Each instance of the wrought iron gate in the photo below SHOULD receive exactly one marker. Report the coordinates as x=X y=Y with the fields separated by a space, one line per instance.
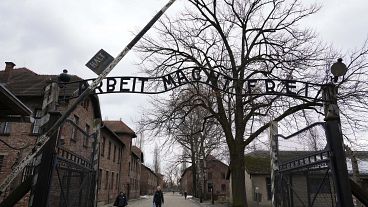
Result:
x=73 y=181
x=306 y=181
x=309 y=178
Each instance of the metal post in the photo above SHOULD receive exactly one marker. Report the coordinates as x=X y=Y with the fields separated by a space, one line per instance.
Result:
x=95 y=158
x=274 y=161
x=336 y=146
x=43 y=172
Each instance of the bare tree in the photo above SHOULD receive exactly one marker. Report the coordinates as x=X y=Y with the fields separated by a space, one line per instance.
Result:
x=245 y=40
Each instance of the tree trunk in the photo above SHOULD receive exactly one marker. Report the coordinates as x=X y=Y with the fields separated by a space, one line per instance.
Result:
x=194 y=174
x=237 y=167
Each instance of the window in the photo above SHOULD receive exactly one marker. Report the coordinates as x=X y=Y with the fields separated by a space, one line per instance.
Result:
x=107 y=180
x=75 y=130
x=223 y=187
x=117 y=181
x=210 y=176
x=103 y=146
x=85 y=104
x=119 y=154
x=268 y=187
x=36 y=127
x=4 y=127
x=85 y=139
x=99 y=178
x=112 y=181
x=223 y=175
x=114 y=153
x=109 y=152
x=1 y=162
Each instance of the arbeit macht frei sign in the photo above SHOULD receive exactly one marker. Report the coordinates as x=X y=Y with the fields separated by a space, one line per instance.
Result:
x=221 y=82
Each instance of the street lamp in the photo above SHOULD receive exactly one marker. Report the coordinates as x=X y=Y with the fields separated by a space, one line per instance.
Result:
x=338 y=69
x=335 y=139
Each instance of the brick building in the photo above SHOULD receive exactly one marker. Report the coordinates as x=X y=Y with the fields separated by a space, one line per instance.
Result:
x=135 y=172
x=148 y=181
x=41 y=93
x=11 y=110
x=125 y=135
x=215 y=176
x=186 y=181
x=110 y=165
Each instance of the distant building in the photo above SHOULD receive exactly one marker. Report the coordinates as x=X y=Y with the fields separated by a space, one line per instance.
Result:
x=126 y=135
x=148 y=181
x=215 y=178
x=135 y=172
x=110 y=166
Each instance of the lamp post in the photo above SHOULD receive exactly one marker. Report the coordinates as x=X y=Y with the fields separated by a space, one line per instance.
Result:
x=335 y=138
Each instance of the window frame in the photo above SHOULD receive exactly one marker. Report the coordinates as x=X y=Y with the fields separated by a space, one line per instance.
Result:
x=2 y=163
x=99 y=178
x=109 y=151
x=102 y=153
x=75 y=133
x=87 y=129
x=107 y=180
x=5 y=128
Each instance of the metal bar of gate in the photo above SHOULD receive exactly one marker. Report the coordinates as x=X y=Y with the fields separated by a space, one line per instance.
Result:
x=46 y=136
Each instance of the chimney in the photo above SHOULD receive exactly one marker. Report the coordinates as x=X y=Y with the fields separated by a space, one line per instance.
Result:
x=9 y=66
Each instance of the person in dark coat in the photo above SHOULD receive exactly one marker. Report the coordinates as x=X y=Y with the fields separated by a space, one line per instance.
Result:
x=185 y=195
x=158 y=197
x=121 y=200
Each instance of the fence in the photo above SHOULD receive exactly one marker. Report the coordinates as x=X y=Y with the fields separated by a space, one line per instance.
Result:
x=306 y=181
x=73 y=181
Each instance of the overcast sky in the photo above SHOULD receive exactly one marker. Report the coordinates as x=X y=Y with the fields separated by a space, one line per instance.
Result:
x=48 y=36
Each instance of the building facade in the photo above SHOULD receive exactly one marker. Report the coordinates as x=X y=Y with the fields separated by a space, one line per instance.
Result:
x=148 y=181
x=135 y=172
x=214 y=179
x=110 y=166
x=125 y=135
x=42 y=94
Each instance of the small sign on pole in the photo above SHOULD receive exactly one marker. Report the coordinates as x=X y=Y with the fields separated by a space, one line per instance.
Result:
x=100 y=61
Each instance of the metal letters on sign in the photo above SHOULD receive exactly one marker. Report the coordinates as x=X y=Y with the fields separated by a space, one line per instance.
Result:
x=100 y=61
x=156 y=85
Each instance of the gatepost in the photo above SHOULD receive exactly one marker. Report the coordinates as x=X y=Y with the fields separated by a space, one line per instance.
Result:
x=336 y=146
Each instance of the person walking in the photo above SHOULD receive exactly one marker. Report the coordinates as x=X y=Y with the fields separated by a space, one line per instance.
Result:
x=121 y=200
x=158 y=198
x=185 y=194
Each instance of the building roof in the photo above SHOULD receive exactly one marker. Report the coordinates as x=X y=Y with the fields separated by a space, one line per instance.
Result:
x=113 y=134
x=120 y=127
x=209 y=158
x=23 y=82
x=10 y=105
x=259 y=162
x=138 y=152
x=149 y=169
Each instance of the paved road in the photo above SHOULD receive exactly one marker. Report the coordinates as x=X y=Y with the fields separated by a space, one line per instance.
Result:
x=170 y=201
